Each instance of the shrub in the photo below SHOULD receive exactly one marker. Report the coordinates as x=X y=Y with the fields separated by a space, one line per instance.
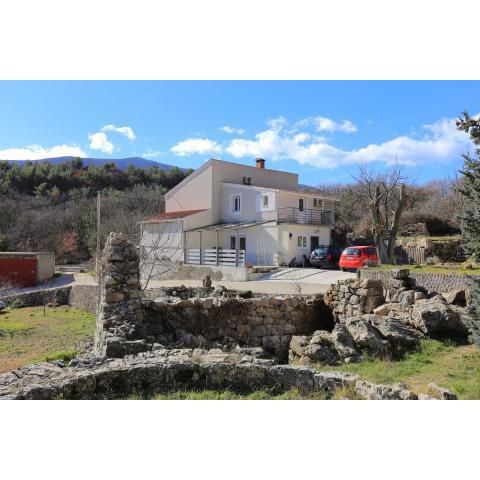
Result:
x=432 y=260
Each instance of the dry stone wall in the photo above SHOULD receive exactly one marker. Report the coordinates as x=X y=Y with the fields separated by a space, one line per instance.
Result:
x=349 y=298
x=431 y=282
x=269 y=322
x=119 y=321
x=128 y=325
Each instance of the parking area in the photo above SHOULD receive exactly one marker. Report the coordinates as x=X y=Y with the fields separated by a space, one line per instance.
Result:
x=307 y=281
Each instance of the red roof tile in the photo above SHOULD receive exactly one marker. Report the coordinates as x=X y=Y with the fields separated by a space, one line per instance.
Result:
x=173 y=215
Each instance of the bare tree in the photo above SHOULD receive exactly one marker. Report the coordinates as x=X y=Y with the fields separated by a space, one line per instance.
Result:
x=387 y=198
x=160 y=252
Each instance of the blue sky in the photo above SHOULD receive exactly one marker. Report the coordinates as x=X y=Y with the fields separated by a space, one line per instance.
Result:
x=320 y=129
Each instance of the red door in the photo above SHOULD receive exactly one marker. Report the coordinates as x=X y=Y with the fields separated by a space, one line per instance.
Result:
x=19 y=272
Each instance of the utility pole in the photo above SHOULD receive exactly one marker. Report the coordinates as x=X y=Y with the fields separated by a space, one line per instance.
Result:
x=97 y=260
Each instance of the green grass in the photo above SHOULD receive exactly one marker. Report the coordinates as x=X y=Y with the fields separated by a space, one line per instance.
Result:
x=30 y=337
x=454 y=367
x=455 y=270
x=434 y=239
x=293 y=394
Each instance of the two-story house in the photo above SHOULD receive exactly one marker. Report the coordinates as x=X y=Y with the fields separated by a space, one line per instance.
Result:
x=228 y=214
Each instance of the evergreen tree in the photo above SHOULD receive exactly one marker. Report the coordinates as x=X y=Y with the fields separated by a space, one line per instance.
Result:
x=469 y=187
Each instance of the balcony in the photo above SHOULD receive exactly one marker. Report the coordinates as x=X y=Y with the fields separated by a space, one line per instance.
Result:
x=305 y=216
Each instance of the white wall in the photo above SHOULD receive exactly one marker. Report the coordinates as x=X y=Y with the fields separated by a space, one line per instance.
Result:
x=290 y=244
x=193 y=195
x=252 y=208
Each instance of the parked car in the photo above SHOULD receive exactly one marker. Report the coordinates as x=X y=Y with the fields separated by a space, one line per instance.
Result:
x=325 y=256
x=353 y=258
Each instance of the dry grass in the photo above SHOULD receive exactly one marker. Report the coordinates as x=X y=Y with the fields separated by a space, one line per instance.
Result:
x=450 y=366
x=30 y=337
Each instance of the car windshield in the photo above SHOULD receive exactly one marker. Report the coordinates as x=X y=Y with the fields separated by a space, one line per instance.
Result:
x=352 y=251
x=321 y=250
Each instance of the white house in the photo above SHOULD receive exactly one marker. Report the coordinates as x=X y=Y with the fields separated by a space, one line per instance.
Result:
x=238 y=215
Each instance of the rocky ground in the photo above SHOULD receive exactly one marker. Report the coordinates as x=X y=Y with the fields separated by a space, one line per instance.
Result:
x=243 y=370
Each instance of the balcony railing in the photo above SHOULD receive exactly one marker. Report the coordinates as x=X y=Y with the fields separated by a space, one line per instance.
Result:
x=305 y=216
x=212 y=256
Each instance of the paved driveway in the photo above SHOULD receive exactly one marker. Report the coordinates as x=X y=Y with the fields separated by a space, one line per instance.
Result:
x=307 y=281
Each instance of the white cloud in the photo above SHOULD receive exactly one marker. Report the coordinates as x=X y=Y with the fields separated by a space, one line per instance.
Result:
x=202 y=146
x=99 y=141
x=127 y=131
x=438 y=143
x=231 y=130
x=37 y=152
x=329 y=125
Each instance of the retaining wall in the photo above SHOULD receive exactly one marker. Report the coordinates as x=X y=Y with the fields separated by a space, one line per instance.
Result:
x=431 y=282
x=269 y=322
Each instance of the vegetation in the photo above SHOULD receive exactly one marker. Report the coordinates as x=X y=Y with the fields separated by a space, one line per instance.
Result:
x=27 y=336
x=293 y=394
x=469 y=187
x=450 y=269
x=52 y=207
x=55 y=181
x=444 y=363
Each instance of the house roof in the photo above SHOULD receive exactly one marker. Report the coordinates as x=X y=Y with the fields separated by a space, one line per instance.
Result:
x=230 y=226
x=207 y=164
x=172 y=215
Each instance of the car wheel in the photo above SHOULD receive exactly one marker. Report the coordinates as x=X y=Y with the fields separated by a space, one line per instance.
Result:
x=342 y=269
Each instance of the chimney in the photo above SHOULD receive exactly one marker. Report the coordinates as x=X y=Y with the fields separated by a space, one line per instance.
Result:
x=260 y=163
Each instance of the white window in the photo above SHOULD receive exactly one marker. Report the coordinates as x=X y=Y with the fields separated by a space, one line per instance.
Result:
x=302 y=241
x=265 y=200
x=236 y=203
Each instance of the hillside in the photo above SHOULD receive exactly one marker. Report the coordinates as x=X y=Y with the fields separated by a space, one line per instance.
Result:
x=121 y=163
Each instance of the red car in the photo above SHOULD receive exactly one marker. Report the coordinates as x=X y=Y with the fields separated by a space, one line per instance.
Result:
x=353 y=258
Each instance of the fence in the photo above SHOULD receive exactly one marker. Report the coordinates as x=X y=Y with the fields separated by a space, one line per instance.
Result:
x=410 y=255
x=222 y=257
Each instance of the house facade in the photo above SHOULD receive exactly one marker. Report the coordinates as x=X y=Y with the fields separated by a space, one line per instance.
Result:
x=238 y=215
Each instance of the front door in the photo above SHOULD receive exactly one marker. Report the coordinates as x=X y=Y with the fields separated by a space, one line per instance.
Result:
x=242 y=243
x=301 y=204
x=314 y=243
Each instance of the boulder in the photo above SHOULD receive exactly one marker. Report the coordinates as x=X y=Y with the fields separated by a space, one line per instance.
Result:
x=400 y=273
x=440 y=392
x=434 y=315
x=385 y=309
x=407 y=297
x=317 y=348
x=401 y=336
x=343 y=342
x=372 y=391
x=419 y=296
x=455 y=297
x=367 y=337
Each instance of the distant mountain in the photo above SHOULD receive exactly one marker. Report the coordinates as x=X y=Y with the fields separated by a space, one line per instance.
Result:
x=121 y=163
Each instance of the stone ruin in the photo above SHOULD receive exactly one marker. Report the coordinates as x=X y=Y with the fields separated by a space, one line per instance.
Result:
x=383 y=319
x=215 y=338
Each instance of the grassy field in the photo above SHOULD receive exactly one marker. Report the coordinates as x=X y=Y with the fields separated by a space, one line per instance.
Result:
x=456 y=270
x=293 y=394
x=454 y=367
x=29 y=337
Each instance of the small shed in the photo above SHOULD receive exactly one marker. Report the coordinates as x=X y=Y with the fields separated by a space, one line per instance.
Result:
x=26 y=269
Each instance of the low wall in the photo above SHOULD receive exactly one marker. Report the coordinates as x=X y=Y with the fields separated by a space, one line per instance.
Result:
x=39 y=297
x=349 y=298
x=198 y=272
x=431 y=282
x=146 y=375
x=84 y=297
x=269 y=322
